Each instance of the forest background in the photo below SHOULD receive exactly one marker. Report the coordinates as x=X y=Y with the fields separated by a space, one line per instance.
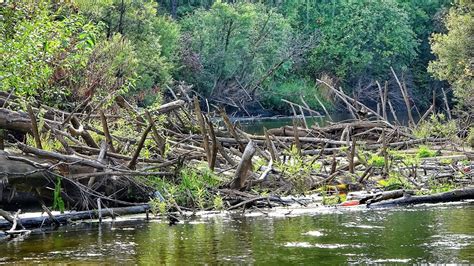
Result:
x=243 y=55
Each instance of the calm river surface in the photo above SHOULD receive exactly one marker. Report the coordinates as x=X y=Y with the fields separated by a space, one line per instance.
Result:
x=442 y=234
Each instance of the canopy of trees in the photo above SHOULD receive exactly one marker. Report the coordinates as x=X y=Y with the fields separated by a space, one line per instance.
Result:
x=455 y=53
x=231 y=52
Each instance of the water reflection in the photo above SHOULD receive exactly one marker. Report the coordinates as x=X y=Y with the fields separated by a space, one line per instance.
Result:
x=441 y=234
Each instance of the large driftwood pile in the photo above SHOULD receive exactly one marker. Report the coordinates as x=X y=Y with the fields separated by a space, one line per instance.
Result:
x=115 y=170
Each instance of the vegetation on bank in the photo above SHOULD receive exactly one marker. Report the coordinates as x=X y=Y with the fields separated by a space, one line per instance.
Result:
x=107 y=67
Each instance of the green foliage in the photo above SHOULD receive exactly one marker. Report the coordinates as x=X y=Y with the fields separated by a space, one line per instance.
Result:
x=110 y=70
x=437 y=126
x=423 y=17
x=454 y=51
x=331 y=200
x=218 y=202
x=446 y=161
x=40 y=48
x=441 y=187
x=361 y=39
x=376 y=160
x=395 y=181
x=425 y=152
x=297 y=169
x=158 y=206
x=58 y=203
x=293 y=89
x=154 y=40
x=470 y=137
x=231 y=44
x=192 y=187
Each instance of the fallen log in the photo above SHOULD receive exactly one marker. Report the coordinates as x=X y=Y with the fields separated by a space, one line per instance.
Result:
x=455 y=195
x=17 y=121
x=32 y=222
x=386 y=195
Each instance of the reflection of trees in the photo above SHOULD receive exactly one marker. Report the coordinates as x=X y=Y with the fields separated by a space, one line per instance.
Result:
x=404 y=234
x=386 y=234
x=455 y=230
x=194 y=243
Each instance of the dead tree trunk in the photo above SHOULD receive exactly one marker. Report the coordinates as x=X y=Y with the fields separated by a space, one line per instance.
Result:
x=244 y=166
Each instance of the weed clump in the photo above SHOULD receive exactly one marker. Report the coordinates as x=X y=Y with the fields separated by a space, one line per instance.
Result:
x=438 y=127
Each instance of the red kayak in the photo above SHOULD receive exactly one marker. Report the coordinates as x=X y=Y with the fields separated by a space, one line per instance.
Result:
x=350 y=203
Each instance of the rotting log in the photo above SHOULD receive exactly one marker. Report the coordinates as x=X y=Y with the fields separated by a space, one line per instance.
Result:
x=451 y=196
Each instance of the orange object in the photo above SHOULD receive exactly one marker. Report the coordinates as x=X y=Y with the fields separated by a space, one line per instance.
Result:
x=350 y=203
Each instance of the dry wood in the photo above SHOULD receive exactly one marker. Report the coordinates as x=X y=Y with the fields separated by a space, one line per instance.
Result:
x=77 y=129
x=352 y=155
x=244 y=167
x=34 y=126
x=80 y=215
x=202 y=125
x=105 y=128
x=132 y=164
x=214 y=150
x=405 y=97
x=159 y=140
x=297 y=138
x=446 y=103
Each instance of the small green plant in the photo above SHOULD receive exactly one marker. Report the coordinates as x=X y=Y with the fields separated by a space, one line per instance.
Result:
x=425 y=152
x=259 y=162
x=158 y=206
x=394 y=181
x=333 y=199
x=58 y=203
x=443 y=187
x=376 y=161
x=218 y=203
x=446 y=161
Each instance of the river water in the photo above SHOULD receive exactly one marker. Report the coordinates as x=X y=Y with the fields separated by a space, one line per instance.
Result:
x=441 y=234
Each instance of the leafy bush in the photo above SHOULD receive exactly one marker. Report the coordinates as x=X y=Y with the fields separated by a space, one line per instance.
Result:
x=41 y=48
x=297 y=169
x=454 y=52
x=437 y=126
x=360 y=38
